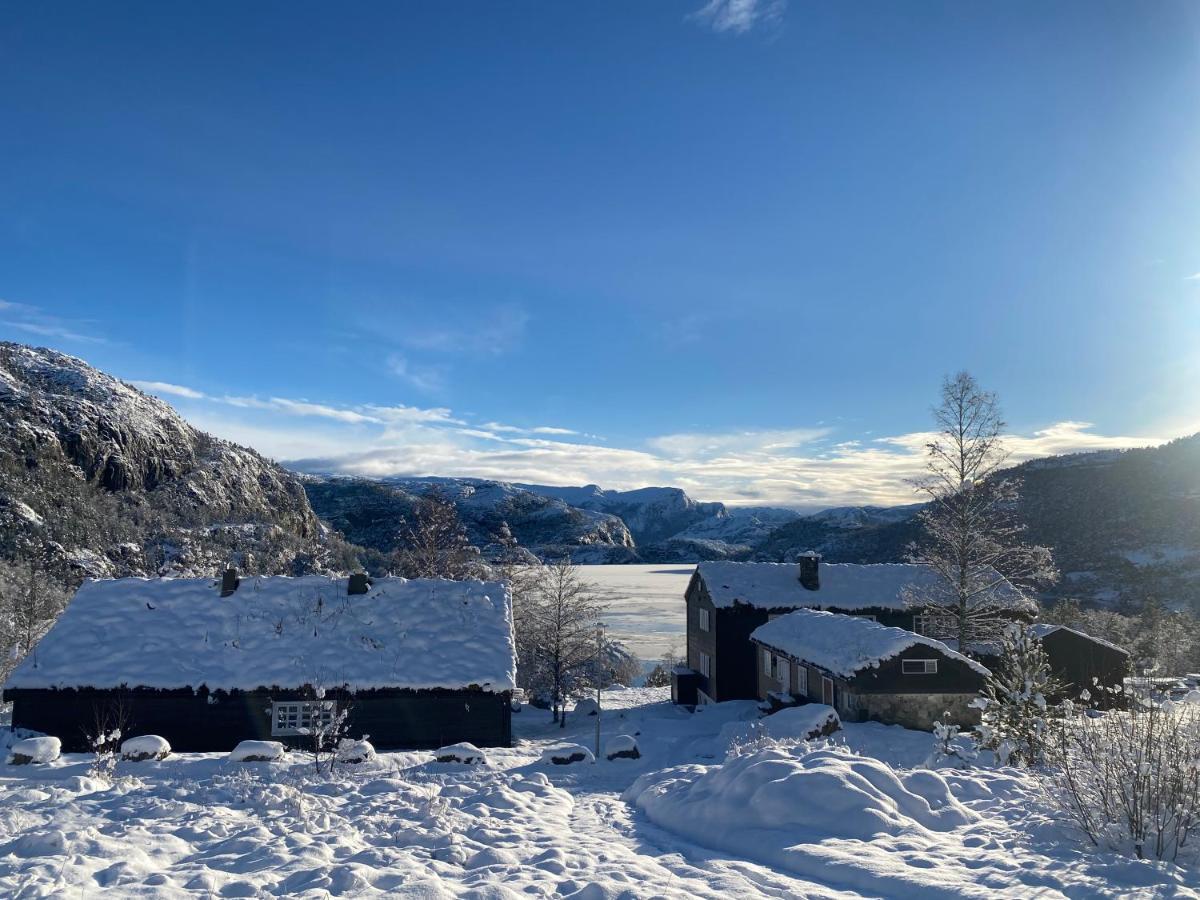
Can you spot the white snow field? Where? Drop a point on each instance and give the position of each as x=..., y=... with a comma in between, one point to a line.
x=851, y=816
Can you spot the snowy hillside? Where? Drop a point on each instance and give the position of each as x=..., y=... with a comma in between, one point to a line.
x=97, y=478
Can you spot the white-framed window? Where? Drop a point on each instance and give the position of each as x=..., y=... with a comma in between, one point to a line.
x=802, y=680
x=705, y=664
x=767, y=659
x=705, y=622
x=918, y=666
x=301, y=716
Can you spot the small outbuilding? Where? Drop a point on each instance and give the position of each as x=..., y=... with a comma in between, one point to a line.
x=416, y=664
x=1081, y=662
x=865, y=670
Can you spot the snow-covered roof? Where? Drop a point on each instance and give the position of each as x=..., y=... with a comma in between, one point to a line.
x=278, y=632
x=1041, y=629
x=847, y=586
x=842, y=644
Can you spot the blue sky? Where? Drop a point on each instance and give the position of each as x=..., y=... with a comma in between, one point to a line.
x=730, y=246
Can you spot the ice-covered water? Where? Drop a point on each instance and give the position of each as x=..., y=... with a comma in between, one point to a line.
x=646, y=609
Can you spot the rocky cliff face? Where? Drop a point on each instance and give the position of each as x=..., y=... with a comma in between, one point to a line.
x=101, y=478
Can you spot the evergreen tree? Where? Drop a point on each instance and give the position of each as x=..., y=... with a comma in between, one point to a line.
x=1013, y=700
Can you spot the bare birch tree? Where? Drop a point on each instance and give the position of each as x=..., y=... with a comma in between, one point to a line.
x=31, y=597
x=971, y=537
x=557, y=622
x=434, y=543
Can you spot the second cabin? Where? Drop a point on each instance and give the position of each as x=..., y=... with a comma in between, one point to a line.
x=864, y=670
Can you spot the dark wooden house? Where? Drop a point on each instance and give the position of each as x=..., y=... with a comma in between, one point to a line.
x=727, y=601
x=864, y=670
x=414, y=664
x=1082, y=662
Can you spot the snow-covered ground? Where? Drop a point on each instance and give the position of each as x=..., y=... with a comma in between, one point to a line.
x=852, y=817
x=646, y=606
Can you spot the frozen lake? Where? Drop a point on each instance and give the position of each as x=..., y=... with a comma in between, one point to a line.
x=646, y=609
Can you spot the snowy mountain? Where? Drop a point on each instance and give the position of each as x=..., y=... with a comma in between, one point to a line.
x=371, y=513
x=97, y=478
x=652, y=514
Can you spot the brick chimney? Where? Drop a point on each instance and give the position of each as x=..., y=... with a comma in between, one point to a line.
x=359, y=582
x=229, y=582
x=810, y=570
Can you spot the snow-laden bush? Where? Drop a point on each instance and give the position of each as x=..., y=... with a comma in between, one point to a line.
x=1013, y=700
x=354, y=752
x=146, y=746
x=567, y=754
x=952, y=746
x=258, y=751
x=35, y=750
x=587, y=707
x=1129, y=779
x=621, y=746
x=465, y=753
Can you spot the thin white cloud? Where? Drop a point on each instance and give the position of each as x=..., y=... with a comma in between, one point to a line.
x=428, y=379
x=159, y=388
x=803, y=468
x=493, y=332
x=1195, y=277
x=31, y=319
x=739, y=16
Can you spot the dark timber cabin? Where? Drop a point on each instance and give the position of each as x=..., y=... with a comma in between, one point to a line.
x=415, y=664
x=726, y=601
x=864, y=670
x=1082, y=662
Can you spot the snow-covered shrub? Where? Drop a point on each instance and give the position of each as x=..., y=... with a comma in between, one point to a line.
x=465, y=753
x=950, y=745
x=1129, y=779
x=567, y=754
x=353, y=752
x=785, y=728
x=146, y=746
x=109, y=720
x=1013, y=700
x=257, y=751
x=35, y=750
x=621, y=746
x=587, y=707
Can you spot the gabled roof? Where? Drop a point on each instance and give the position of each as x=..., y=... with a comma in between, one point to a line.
x=845, y=645
x=278, y=632
x=1041, y=629
x=845, y=586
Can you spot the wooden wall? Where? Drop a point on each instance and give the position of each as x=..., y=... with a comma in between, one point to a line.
x=200, y=722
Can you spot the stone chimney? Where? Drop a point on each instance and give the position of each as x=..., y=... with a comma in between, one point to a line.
x=810, y=570
x=359, y=582
x=229, y=582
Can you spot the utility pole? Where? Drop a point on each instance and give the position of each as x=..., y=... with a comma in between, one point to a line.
x=599, y=663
